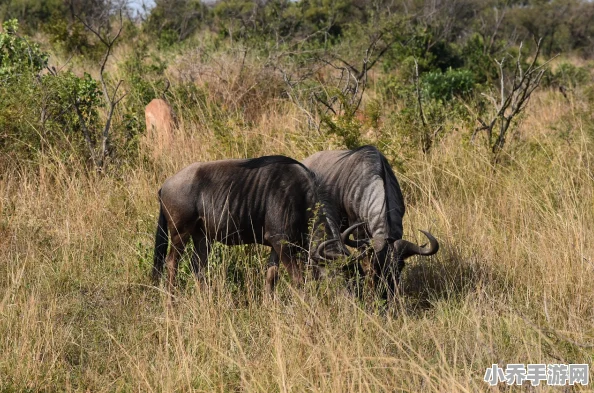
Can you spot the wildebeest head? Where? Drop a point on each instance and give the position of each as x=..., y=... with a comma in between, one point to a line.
x=390, y=259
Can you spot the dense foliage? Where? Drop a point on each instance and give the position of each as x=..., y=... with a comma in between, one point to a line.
x=439, y=86
x=440, y=57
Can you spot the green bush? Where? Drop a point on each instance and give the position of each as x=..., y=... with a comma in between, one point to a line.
x=173, y=21
x=18, y=56
x=37, y=111
x=443, y=86
x=567, y=75
x=32, y=14
x=429, y=53
x=346, y=127
x=144, y=73
x=72, y=38
x=478, y=58
x=64, y=90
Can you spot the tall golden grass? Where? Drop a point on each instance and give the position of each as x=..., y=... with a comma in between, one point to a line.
x=512, y=282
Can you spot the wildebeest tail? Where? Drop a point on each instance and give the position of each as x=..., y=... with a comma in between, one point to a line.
x=161, y=242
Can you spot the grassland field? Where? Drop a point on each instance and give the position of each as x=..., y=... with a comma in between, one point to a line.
x=512, y=282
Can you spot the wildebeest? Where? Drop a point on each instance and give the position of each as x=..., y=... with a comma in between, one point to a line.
x=268, y=200
x=364, y=188
x=160, y=123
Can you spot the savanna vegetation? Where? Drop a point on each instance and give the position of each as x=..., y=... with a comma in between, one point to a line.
x=484, y=109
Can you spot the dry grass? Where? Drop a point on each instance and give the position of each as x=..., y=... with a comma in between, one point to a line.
x=511, y=283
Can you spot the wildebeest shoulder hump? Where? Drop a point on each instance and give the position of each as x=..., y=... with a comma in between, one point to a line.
x=261, y=162
x=367, y=149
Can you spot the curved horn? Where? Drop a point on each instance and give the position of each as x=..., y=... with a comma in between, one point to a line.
x=344, y=238
x=325, y=255
x=405, y=249
x=352, y=243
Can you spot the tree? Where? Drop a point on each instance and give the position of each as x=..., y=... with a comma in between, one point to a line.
x=513, y=95
x=327, y=82
x=32, y=14
x=99, y=153
x=175, y=20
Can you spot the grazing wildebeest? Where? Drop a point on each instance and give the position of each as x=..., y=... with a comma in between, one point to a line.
x=268, y=200
x=364, y=188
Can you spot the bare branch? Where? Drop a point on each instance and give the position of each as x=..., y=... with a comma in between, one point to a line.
x=418, y=89
x=513, y=99
x=352, y=68
x=86, y=133
x=380, y=54
x=326, y=104
x=111, y=101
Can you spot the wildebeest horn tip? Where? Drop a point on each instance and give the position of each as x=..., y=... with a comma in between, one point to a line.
x=405, y=249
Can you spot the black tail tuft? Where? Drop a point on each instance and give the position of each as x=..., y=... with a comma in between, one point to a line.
x=161, y=243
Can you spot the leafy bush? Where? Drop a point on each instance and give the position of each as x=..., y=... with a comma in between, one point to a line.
x=429, y=53
x=37, y=111
x=17, y=54
x=443, y=86
x=347, y=128
x=144, y=73
x=31, y=13
x=567, y=75
x=172, y=21
x=66, y=88
x=478, y=58
x=72, y=38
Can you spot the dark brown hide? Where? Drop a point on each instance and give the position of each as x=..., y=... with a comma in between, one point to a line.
x=268, y=200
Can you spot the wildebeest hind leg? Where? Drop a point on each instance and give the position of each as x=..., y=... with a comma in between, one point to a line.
x=178, y=244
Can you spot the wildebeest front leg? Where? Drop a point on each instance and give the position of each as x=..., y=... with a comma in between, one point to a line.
x=292, y=265
x=272, y=272
x=178, y=244
x=283, y=252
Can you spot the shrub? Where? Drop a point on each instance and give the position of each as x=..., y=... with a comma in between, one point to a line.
x=72, y=38
x=17, y=54
x=172, y=21
x=478, y=58
x=36, y=111
x=443, y=86
x=567, y=75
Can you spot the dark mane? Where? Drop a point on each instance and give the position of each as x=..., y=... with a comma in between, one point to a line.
x=367, y=149
x=260, y=162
